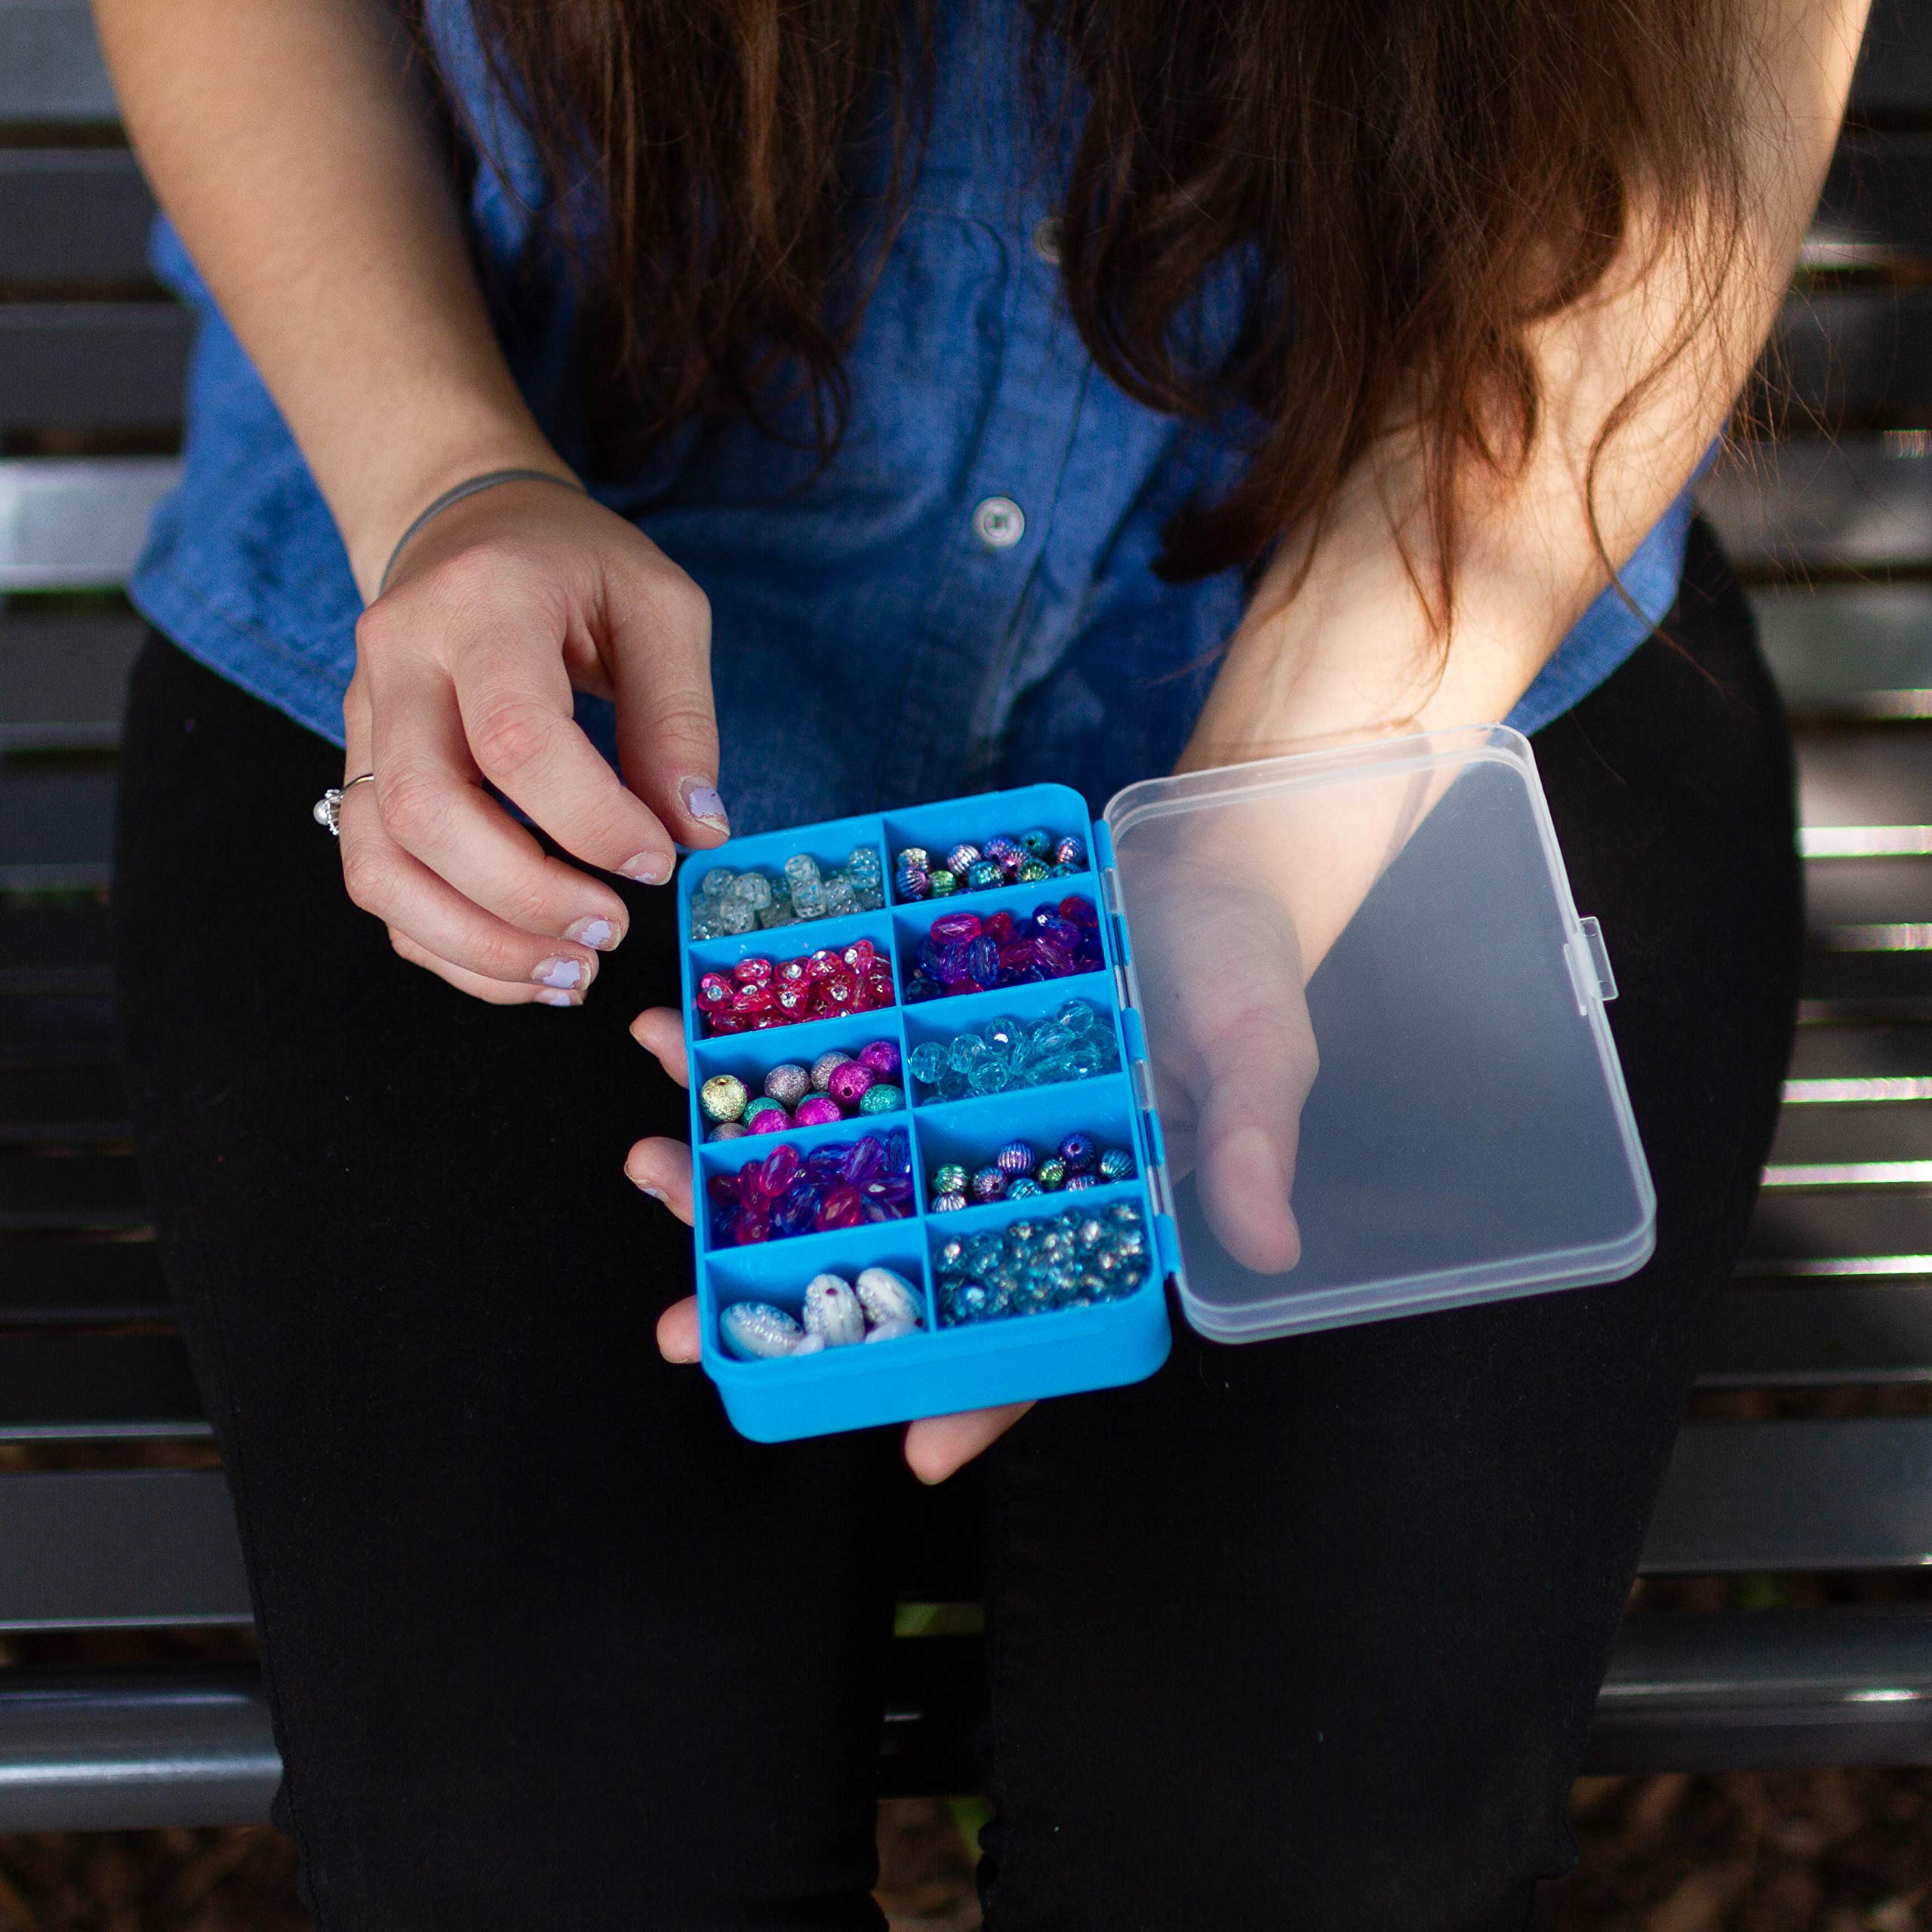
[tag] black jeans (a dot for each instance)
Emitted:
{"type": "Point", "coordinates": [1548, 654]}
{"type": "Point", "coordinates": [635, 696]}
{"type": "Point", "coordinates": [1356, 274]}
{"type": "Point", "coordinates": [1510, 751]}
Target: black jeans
{"type": "Point", "coordinates": [1300, 1634]}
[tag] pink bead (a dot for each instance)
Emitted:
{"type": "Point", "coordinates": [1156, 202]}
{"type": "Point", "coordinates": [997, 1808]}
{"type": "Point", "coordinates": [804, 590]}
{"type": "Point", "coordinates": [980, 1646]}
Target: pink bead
{"type": "Point", "coordinates": [752, 972]}
{"type": "Point", "coordinates": [845, 1207]}
{"type": "Point", "coordinates": [748, 1000]}
{"type": "Point", "coordinates": [849, 1079]}
{"type": "Point", "coordinates": [823, 962]}
{"type": "Point", "coordinates": [954, 928]}
{"type": "Point", "coordinates": [773, 1120]}
{"type": "Point", "coordinates": [859, 955]}
{"type": "Point", "coordinates": [818, 1110]}
{"type": "Point", "coordinates": [882, 1057]}
{"type": "Point", "coordinates": [778, 1169]}
{"type": "Point", "coordinates": [714, 990]}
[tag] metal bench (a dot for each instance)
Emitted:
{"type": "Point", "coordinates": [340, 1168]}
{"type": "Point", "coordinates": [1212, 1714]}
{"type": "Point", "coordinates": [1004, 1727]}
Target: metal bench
{"type": "Point", "coordinates": [1835, 1292]}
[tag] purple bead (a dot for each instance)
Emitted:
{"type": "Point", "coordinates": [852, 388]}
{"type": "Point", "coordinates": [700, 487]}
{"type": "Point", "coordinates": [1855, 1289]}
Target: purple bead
{"type": "Point", "coordinates": [796, 1212]}
{"type": "Point", "coordinates": [882, 1057]}
{"type": "Point", "coordinates": [1006, 853]}
{"type": "Point", "coordinates": [989, 1184]}
{"type": "Point", "coordinates": [818, 1110]}
{"type": "Point", "coordinates": [1015, 1158]}
{"type": "Point", "coordinates": [910, 882]}
{"type": "Point", "coordinates": [1071, 850]}
{"type": "Point", "coordinates": [773, 1120]}
{"type": "Point", "coordinates": [961, 857]}
{"type": "Point", "coordinates": [865, 1158]}
{"type": "Point", "coordinates": [1076, 1181]}
{"type": "Point", "coordinates": [982, 959]}
{"type": "Point", "coordinates": [849, 1079]}
{"type": "Point", "coordinates": [898, 1146]}
{"type": "Point", "coordinates": [826, 1165]}
{"type": "Point", "coordinates": [952, 927]}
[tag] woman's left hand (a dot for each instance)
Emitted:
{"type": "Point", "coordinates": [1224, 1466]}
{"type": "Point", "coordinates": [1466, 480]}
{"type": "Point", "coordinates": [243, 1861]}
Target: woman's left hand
{"type": "Point", "coordinates": [935, 1446]}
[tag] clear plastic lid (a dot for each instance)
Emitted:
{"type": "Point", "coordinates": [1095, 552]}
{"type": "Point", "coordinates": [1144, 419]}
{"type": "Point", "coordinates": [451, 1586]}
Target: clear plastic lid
{"type": "Point", "coordinates": [1376, 1052]}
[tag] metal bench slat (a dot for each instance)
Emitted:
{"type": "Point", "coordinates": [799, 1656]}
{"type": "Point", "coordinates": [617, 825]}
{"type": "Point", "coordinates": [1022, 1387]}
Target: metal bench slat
{"type": "Point", "coordinates": [1758, 1689]}
{"type": "Point", "coordinates": [41, 1193]}
{"type": "Point", "coordinates": [1828, 1061]}
{"type": "Point", "coordinates": [73, 216]}
{"type": "Point", "coordinates": [1874, 902]}
{"type": "Point", "coordinates": [55, 948]}
{"type": "Point", "coordinates": [118, 1549]}
{"type": "Point", "coordinates": [1862, 502]}
{"type": "Point", "coordinates": [67, 1281]}
{"type": "Point", "coordinates": [100, 366]}
{"type": "Point", "coordinates": [96, 1388]}
{"type": "Point", "coordinates": [1849, 650]}
{"type": "Point", "coordinates": [1862, 776]}
{"type": "Point", "coordinates": [1797, 1337]}
{"type": "Point", "coordinates": [1791, 1496]}
{"type": "Point", "coordinates": [1894, 81]}
{"type": "Point", "coordinates": [1856, 357]}
{"type": "Point", "coordinates": [137, 1750]}
{"type": "Point", "coordinates": [64, 1106]}
{"type": "Point", "coordinates": [56, 830]}
{"type": "Point", "coordinates": [51, 68]}
{"type": "Point", "coordinates": [1831, 1232]}
{"type": "Point", "coordinates": [63, 680]}
{"type": "Point", "coordinates": [75, 523]}
{"type": "Point", "coordinates": [1876, 209]}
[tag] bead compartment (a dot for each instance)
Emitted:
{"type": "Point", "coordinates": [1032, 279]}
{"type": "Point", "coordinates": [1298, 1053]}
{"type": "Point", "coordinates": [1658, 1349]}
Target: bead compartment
{"type": "Point", "coordinates": [937, 1369]}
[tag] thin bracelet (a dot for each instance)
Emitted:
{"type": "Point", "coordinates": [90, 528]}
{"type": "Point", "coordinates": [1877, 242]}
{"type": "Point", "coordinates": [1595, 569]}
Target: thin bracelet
{"type": "Point", "coordinates": [474, 486]}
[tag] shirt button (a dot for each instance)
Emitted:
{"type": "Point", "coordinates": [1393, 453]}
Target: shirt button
{"type": "Point", "coordinates": [999, 523]}
{"type": "Point", "coordinates": [1046, 239]}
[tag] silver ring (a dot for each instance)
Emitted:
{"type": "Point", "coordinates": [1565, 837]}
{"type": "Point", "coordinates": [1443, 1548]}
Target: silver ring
{"type": "Point", "coordinates": [327, 811]}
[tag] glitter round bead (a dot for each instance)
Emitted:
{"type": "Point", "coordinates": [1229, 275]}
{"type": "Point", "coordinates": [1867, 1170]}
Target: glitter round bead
{"type": "Point", "coordinates": [818, 1110]}
{"type": "Point", "coordinates": [883, 1096]}
{"type": "Point", "coordinates": [823, 1067]}
{"type": "Point", "coordinates": [848, 1082]}
{"type": "Point", "coordinates": [722, 1097]}
{"type": "Point", "coordinates": [788, 1083]}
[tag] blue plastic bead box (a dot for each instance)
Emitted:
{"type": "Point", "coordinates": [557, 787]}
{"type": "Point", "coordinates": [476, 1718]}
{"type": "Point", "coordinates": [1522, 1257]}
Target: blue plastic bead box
{"type": "Point", "coordinates": [1467, 1135]}
{"type": "Point", "coordinates": [939, 1369]}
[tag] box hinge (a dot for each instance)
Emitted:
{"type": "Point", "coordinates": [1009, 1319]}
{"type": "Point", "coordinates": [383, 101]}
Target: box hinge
{"type": "Point", "coordinates": [1591, 976]}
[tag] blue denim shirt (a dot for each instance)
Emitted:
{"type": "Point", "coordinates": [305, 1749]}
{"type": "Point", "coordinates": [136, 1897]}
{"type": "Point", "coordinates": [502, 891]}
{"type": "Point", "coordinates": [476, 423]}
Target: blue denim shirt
{"type": "Point", "coordinates": [962, 599]}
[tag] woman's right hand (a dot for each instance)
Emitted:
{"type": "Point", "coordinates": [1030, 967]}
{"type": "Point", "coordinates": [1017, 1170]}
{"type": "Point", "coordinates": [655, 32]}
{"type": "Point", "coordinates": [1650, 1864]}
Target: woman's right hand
{"type": "Point", "coordinates": [501, 609]}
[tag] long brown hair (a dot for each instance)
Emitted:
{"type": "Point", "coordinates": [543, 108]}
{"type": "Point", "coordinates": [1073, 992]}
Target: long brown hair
{"type": "Point", "coordinates": [1412, 184]}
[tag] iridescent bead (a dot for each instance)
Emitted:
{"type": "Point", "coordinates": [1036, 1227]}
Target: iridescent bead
{"type": "Point", "coordinates": [951, 1256]}
{"type": "Point", "coordinates": [1007, 853]}
{"type": "Point", "coordinates": [1116, 1163]}
{"type": "Point", "coordinates": [1051, 1174]}
{"type": "Point", "coordinates": [1076, 1181]}
{"type": "Point", "coordinates": [989, 1184]}
{"type": "Point", "coordinates": [914, 855]}
{"type": "Point", "coordinates": [883, 1096]}
{"type": "Point", "coordinates": [773, 1175]}
{"type": "Point", "coordinates": [982, 875]}
{"type": "Point", "coordinates": [822, 1068]}
{"type": "Point", "coordinates": [722, 1097]}
{"type": "Point", "coordinates": [1024, 1187]}
{"type": "Point", "coordinates": [788, 1083]}
{"type": "Point", "coordinates": [1032, 871]}
{"type": "Point", "coordinates": [1015, 1158]}
{"type": "Point", "coordinates": [1070, 851]}
{"type": "Point", "coordinates": [948, 1203]}
{"type": "Point", "coordinates": [818, 1110]}
{"type": "Point", "coordinates": [831, 1310]}
{"type": "Point", "coordinates": [949, 1179]}
{"type": "Point", "coordinates": [940, 882]}
{"type": "Point", "coordinates": [729, 1130]}
{"type": "Point", "coordinates": [1037, 843]}
{"type": "Point", "coordinates": [961, 857]}
{"type": "Point", "coordinates": [911, 884]}
{"type": "Point", "coordinates": [1078, 1152]}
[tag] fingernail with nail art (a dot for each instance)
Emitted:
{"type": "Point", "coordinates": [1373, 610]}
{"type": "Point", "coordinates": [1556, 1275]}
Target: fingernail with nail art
{"type": "Point", "coordinates": [550, 998]}
{"type": "Point", "coordinates": [702, 802]}
{"type": "Point", "coordinates": [561, 973]}
{"type": "Point", "coordinates": [647, 868]}
{"type": "Point", "coordinates": [599, 934]}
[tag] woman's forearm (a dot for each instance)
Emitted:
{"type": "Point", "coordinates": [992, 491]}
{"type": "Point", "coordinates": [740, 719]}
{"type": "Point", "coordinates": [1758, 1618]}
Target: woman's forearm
{"type": "Point", "coordinates": [289, 142]}
{"type": "Point", "coordinates": [1339, 640]}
